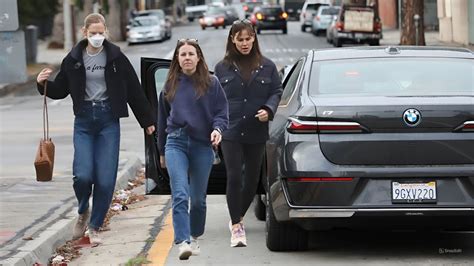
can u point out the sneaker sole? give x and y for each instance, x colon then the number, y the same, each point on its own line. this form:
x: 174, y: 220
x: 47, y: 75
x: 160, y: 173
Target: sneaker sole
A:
x: 185, y: 255
x: 238, y: 245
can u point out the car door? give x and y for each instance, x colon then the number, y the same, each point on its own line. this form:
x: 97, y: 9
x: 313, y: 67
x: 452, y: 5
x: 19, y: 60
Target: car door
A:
x: 153, y: 76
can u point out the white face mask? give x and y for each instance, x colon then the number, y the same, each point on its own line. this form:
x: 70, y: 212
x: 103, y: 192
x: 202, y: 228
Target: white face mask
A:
x: 97, y: 40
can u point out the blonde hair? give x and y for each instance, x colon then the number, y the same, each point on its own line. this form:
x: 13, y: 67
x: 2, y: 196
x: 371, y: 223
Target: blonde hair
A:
x: 94, y: 18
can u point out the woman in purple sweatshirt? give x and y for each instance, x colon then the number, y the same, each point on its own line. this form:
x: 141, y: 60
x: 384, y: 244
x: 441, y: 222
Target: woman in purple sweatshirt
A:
x: 193, y: 111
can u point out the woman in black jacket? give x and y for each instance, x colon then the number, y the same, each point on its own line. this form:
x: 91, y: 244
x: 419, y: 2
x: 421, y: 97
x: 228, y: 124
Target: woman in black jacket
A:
x: 253, y: 89
x: 101, y: 81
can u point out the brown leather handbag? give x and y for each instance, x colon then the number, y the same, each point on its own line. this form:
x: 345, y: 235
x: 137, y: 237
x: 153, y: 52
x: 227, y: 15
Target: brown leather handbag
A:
x: 44, y: 161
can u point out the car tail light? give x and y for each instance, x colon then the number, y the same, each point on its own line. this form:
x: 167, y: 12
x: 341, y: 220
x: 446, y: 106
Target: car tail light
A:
x: 259, y: 16
x: 220, y: 19
x: 318, y: 18
x: 378, y: 26
x: 340, y: 26
x: 297, y: 126
x: 246, y: 8
x: 319, y: 179
x: 467, y: 126
x: 284, y: 15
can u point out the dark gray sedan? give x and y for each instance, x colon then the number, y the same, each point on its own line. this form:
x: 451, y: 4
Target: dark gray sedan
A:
x: 368, y: 137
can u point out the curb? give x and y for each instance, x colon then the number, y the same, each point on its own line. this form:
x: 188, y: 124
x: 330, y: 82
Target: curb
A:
x: 39, y: 250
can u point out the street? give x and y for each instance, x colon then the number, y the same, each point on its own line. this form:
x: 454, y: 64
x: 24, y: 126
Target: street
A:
x: 21, y: 129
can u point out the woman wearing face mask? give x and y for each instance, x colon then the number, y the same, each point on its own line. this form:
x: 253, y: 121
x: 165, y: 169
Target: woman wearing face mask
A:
x: 193, y: 112
x: 253, y: 89
x: 101, y: 81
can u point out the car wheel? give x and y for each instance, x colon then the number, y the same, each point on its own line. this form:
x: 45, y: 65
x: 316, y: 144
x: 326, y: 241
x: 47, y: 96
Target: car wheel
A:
x: 285, y: 31
x: 203, y: 28
x: 223, y: 26
x: 259, y: 208
x: 258, y: 31
x: 303, y: 28
x: 337, y: 42
x: 374, y: 42
x: 283, y: 236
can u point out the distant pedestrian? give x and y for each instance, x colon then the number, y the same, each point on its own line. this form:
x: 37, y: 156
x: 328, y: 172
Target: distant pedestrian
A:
x: 101, y: 81
x: 253, y: 89
x: 193, y: 111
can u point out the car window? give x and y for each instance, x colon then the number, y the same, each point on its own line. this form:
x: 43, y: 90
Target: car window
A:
x: 215, y: 10
x: 144, y: 21
x: 271, y: 10
x: 290, y: 84
x: 393, y: 77
x: 329, y: 11
x: 160, y: 79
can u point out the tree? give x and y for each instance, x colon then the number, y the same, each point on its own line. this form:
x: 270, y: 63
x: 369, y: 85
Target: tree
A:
x: 39, y: 13
x: 410, y: 8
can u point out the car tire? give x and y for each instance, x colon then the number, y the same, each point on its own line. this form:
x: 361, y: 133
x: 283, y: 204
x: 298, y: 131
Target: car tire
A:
x: 223, y: 26
x: 283, y: 236
x: 303, y: 28
x: 374, y: 42
x: 203, y: 28
x: 337, y: 42
x: 259, y: 208
x: 285, y: 31
x: 258, y: 31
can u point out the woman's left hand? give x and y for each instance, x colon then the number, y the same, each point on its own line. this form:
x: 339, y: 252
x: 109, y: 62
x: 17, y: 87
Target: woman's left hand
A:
x: 216, y: 138
x: 150, y: 130
x: 262, y: 115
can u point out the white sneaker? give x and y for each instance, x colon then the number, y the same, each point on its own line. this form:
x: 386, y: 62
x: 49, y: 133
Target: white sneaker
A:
x: 185, y: 250
x: 81, y: 225
x: 94, y: 237
x: 238, y: 238
x: 196, y: 250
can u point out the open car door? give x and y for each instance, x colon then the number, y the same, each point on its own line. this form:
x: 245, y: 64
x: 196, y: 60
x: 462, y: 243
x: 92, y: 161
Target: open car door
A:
x: 153, y: 77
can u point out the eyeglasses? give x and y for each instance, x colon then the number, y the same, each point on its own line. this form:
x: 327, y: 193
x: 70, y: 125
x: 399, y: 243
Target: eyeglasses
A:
x: 188, y: 41
x: 243, y: 21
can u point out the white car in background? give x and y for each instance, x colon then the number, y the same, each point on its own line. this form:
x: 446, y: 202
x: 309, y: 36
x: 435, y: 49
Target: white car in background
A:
x: 145, y: 29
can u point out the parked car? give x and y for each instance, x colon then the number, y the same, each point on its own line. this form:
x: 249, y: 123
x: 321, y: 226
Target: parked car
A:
x: 145, y: 29
x: 309, y: 10
x: 218, y: 16
x: 324, y: 18
x: 270, y: 18
x: 363, y: 137
x: 356, y: 24
x: 160, y: 15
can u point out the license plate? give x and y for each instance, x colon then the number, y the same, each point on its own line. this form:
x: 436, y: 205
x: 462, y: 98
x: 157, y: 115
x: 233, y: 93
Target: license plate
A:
x: 359, y: 36
x: 271, y: 18
x: 415, y: 192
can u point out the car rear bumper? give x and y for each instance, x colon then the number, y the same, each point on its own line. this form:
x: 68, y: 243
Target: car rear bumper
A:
x: 358, y: 35
x: 347, y: 213
x: 271, y: 25
x: 144, y: 39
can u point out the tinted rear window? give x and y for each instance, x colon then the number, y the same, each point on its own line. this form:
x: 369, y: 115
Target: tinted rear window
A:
x: 393, y: 77
x: 271, y: 10
x: 330, y: 11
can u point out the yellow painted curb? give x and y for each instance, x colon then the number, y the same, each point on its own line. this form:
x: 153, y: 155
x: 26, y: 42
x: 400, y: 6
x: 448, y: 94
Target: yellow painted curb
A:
x: 163, y: 242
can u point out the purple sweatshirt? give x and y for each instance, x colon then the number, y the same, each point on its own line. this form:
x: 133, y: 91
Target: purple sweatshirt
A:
x: 199, y: 116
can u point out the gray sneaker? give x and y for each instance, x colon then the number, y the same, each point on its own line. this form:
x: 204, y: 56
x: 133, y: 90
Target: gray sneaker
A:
x: 94, y: 237
x: 196, y: 250
x: 81, y: 225
x: 185, y: 250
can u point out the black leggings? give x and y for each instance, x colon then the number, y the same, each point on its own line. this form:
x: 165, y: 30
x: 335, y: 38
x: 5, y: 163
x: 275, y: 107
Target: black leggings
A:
x: 243, y: 164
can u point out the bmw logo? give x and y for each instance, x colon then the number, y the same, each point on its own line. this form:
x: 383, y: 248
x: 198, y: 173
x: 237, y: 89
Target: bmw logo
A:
x: 412, y: 117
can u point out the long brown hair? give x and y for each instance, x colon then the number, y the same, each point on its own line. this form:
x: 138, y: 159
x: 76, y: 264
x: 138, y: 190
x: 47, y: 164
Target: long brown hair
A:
x: 232, y: 55
x: 201, y: 78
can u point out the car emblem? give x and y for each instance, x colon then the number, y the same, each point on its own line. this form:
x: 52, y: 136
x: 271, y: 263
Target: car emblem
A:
x: 412, y: 117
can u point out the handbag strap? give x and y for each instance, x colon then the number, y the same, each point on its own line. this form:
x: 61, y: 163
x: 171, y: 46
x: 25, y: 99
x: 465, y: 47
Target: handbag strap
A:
x: 45, y: 114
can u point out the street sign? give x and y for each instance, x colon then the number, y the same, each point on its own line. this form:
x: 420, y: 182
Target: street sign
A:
x: 12, y: 57
x: 8, y: 15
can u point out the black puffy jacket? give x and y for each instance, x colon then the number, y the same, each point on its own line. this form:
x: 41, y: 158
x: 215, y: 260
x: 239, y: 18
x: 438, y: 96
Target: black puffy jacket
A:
x: 121, y: 80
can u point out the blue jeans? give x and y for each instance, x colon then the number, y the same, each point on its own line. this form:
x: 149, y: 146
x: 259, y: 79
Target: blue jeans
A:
x: 96, y: 153
x: 189, y: 164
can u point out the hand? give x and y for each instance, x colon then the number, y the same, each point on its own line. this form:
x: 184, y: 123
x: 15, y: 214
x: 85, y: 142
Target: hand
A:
x: 262, y: 115
x: 43, y: 75
x: 150, y: 130
x: 216, y: 138
x: 162, y: 161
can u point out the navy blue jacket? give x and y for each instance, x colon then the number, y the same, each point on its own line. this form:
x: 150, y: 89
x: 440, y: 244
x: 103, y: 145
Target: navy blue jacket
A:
x: 263, y: 91
x: 199, y: 116
x: 120, y: 78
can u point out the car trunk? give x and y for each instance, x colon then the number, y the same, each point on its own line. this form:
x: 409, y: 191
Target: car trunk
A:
x: 389, y: 140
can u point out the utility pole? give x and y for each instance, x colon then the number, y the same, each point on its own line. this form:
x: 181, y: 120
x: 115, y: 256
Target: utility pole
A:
x: 67, y: 25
